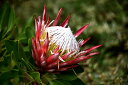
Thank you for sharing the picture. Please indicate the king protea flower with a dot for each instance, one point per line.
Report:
(55, 47)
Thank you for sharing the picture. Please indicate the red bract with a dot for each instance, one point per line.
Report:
(56, 56)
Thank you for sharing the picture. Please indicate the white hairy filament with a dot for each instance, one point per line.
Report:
(63, 37)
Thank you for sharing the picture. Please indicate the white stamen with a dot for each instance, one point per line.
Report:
(61, 59)
(51, 52)
(51, 22)
(80, 41)
(79, 54)
(63, 37)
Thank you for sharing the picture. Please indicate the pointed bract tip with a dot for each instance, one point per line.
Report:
(94, 53)
(84, 41)
(81, 30)
(44, 13)
(57, 17)
(64, 24)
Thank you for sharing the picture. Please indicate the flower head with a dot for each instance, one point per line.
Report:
(55, 47)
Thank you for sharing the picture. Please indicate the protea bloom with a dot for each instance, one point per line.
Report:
(55, 48)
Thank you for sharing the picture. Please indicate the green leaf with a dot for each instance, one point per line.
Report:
(77, 82)
(78, 69)
(7, 20)
(29, 31)
(68, 76)
(16, 47)
(57, 82)
(19, 54)
(12, 46)
(21, 36)
(36, 76)
(9, 78)
(12, 20)
(27, 64)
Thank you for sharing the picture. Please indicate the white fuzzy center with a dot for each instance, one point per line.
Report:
(63, 37)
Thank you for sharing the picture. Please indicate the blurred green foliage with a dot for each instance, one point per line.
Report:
(108, 21)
